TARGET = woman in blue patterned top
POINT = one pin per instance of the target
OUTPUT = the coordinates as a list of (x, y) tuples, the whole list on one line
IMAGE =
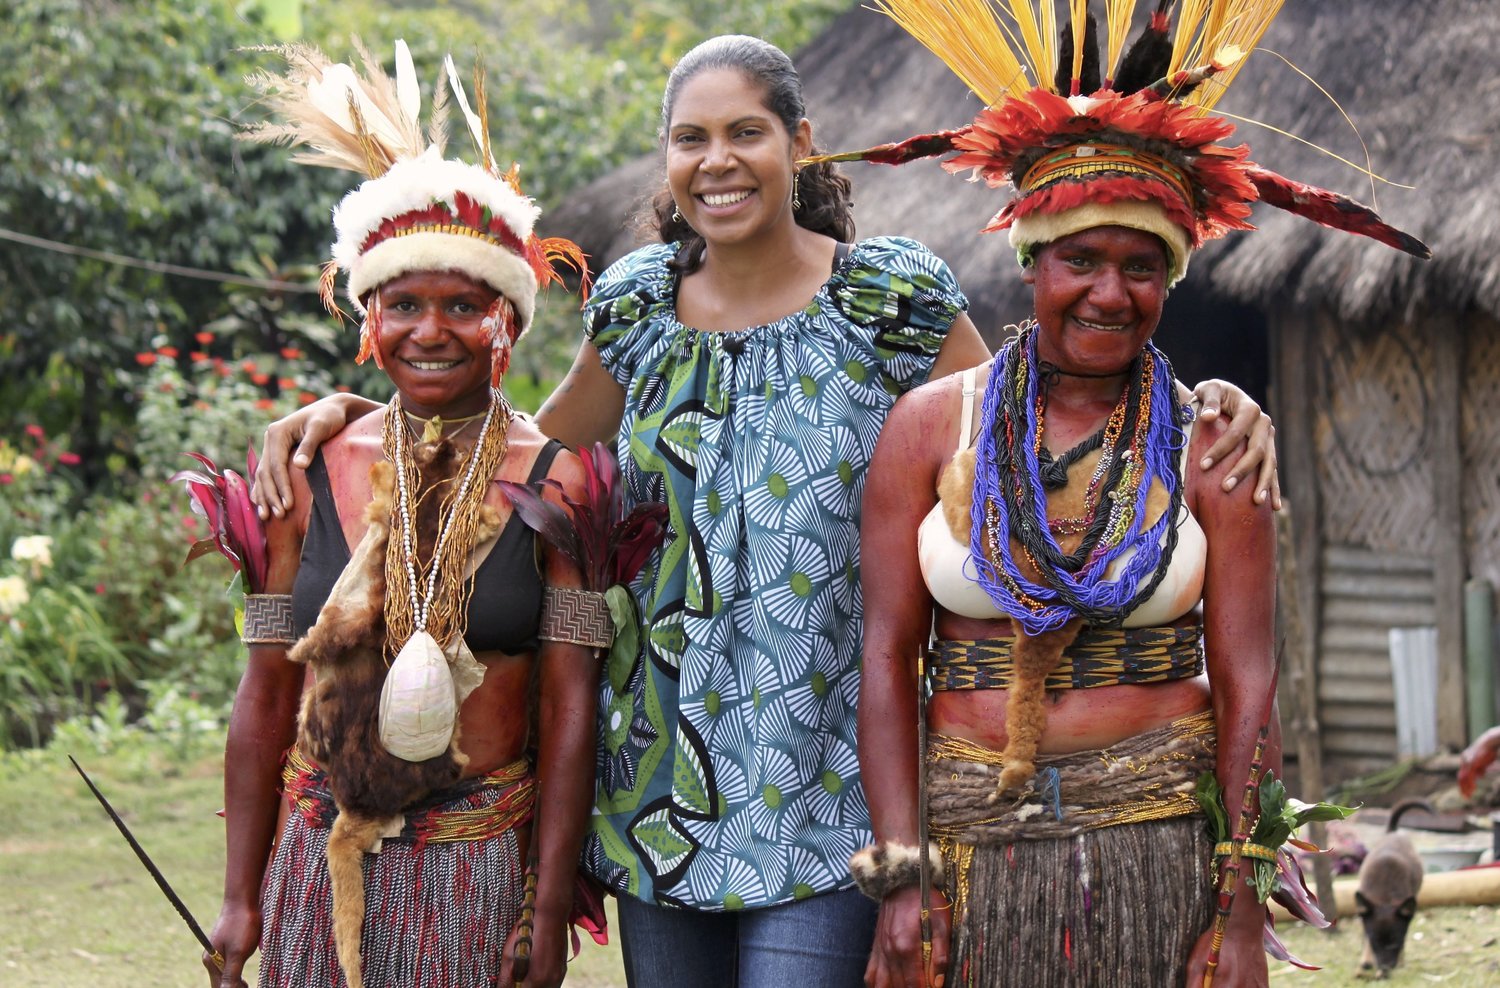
[(747, 364)]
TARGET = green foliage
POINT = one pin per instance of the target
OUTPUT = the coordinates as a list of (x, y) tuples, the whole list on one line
[(117, 125), (116, 134), (1281, 816)]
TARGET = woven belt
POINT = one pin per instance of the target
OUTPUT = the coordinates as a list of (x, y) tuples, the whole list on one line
[(1098, 657), (476, 808)]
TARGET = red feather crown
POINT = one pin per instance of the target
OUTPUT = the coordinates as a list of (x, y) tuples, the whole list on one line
[(1143, 150)]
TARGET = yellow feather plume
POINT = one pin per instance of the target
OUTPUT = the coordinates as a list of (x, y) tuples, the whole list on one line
[(969, 39), (1117, 17)]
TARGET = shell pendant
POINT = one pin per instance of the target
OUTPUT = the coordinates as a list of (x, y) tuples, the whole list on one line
[(417, 703)]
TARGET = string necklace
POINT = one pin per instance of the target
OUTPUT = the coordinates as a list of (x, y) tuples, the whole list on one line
[(432, 429), (1140, 440), (437, 605)]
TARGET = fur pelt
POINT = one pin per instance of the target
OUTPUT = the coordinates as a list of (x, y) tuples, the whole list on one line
[(882, 868), (339, 724)]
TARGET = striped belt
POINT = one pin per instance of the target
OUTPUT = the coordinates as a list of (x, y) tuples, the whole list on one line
[(1098, 657)]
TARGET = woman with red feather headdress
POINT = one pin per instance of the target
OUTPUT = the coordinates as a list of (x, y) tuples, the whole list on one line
[(1101, 661)]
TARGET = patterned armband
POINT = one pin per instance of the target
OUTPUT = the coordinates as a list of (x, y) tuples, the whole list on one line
[(268, 619), (578, 617)]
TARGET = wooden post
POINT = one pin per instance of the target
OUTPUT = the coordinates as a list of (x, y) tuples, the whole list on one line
[(1449, 558), (1299, 541)]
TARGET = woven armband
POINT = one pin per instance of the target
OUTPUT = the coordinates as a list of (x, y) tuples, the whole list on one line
[(268, 619), (883, 868), (578, 617)]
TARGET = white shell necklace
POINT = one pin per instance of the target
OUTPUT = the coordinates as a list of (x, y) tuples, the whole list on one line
[(419, 608), (418, 703)]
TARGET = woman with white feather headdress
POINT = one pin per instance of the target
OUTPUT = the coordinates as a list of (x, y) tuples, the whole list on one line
[(412, 796)]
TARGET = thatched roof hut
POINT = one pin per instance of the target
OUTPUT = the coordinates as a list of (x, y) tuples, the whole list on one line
[(1383, 371)]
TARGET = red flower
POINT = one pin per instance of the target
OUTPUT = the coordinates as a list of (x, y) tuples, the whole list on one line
[(307, 397), (99, 589), (6, 478), (222, 371), (286, 383), (35, 431), (248, 366), (342, 387), (260, 378), (69, 459), (145, 359), (168, 351), (204, 337), (198, 356), (189, 522), (291, 353), (265, 404)]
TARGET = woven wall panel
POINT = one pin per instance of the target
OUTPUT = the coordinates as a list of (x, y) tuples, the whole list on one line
[(1373, 430), (1481, 446)]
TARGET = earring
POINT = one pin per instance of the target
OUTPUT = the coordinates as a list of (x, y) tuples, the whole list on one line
[(796, 191), (676, 214)]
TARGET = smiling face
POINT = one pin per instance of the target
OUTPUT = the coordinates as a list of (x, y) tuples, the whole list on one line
[(1098, 295), (730, 159), (431, 342)]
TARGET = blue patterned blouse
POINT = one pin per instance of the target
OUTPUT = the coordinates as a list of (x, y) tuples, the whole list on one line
[(727, 770)]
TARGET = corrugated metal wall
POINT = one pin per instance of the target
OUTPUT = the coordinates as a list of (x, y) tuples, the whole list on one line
[(1366, 592)]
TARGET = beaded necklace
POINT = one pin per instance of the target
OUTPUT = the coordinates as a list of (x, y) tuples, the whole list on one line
[(1010, 501), (437, 604)]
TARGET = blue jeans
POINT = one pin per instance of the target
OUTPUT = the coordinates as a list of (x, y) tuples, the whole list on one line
[(821, 942)]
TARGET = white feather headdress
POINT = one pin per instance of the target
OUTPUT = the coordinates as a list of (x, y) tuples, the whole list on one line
[(417, 210)]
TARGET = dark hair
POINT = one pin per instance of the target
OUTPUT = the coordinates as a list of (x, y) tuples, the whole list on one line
[(825, 194)]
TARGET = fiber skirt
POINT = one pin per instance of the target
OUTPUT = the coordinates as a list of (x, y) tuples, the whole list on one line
[(1115, 893), (440, 898)]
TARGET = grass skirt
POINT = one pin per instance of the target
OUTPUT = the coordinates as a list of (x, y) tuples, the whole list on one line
[(1114, 895), (439, 902)]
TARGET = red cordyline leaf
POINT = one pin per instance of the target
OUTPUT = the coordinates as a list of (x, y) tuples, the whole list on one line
[(544, 518), (1294, 895), (235, 529), (1277, 949), (633, 540), (245, 531), (608, 546)]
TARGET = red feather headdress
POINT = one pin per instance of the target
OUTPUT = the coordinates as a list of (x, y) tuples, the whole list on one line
[(1143, 150)]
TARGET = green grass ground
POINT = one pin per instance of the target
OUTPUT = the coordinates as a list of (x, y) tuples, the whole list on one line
[(1456, 946), (77, 909)]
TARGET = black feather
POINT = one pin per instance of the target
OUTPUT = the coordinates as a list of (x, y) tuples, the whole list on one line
[(1148, 59), (1089, 77)]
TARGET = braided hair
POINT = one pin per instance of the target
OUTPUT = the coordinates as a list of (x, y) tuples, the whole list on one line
[(827, 207)]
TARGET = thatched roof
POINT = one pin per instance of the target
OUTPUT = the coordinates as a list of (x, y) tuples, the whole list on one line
[(1419, 79), (1422, 82)]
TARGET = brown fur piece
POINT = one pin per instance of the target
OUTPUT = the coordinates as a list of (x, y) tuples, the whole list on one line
[(1033, 657), (885, 867), (339, 725), (1389, 881)]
